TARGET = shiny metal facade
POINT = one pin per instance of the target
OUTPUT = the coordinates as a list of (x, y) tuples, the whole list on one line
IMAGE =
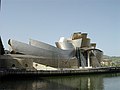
[(27, 49), (77, 50)]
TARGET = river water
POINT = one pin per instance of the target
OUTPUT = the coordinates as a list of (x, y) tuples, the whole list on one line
[(85, 82)]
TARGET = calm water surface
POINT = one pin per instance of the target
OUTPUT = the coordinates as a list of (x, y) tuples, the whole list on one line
[(86, 82)]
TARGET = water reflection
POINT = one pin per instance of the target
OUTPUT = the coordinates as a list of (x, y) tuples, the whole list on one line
[(89, 82), (80, 82)]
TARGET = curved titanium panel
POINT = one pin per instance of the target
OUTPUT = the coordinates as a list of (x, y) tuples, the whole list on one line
[(67, 52), (42, 45), (32, 50), (76, 42), (64, 45)]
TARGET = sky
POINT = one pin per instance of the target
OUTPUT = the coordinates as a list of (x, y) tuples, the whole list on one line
[(48, 20)]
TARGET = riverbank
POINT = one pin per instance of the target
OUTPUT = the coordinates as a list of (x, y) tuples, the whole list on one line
[(59, 72)]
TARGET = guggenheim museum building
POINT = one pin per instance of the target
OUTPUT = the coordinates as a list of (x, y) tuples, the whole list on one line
[(74, 52)]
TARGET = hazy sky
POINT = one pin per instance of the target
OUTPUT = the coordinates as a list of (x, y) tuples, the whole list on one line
[(47, 20)]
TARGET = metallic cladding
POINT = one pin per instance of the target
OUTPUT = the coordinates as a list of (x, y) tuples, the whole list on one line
[(33, 50)]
